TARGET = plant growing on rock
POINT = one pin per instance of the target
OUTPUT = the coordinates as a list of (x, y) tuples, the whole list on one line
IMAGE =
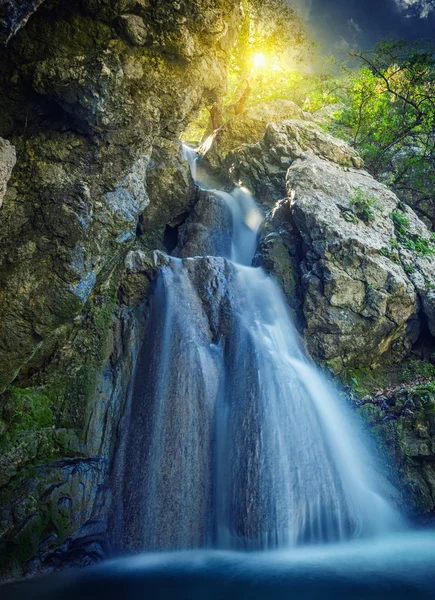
[(411, 241), (364, 205)]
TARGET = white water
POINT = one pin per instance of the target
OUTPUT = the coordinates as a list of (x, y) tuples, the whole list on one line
[(240, 441)]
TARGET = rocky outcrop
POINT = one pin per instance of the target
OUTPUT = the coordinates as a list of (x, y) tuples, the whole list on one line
[(93, 96), (86, 108), (248, 128), (262, 166), (207, 231), (366, 263), (402, 419), (362, 296), (53, 494)]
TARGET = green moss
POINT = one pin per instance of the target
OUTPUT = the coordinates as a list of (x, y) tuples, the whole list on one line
[(364, 380), (418, 369), (26, 409)]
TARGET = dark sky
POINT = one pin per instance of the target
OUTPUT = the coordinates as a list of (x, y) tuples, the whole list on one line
[(361, 23)]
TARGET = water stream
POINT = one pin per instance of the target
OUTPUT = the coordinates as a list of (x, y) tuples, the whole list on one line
[(235, 438)]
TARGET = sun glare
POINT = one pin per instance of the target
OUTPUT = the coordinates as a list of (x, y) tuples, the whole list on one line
[(259, 61)]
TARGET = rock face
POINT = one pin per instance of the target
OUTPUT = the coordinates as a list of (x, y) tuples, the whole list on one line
[(364, 278), (249, 126), (14, 15), (279, 253), (8, 159), (262, 166), (207, 231), (93, 96), (403, 420), (86, 109)]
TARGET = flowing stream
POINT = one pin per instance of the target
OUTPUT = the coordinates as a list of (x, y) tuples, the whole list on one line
[(235, 440)]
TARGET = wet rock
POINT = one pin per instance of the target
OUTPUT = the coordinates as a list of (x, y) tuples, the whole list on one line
[(207, 231), (279, 253), (58, 496), (141, 269)]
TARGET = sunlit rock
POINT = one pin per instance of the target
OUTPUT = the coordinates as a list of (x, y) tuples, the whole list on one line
[(7, 162)]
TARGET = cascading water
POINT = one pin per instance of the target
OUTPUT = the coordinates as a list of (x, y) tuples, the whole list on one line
[(235, 439)]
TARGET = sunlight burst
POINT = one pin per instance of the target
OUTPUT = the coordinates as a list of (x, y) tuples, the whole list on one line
[(259, 61)]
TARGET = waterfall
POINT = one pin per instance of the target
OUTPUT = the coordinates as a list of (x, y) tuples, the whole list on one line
[(235, 439)]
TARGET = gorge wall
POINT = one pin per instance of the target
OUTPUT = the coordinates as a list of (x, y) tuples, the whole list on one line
[(93, 97)]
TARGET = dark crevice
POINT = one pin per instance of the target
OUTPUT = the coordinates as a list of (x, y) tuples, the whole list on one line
[(139, 230), (424, 347), (170, 236)]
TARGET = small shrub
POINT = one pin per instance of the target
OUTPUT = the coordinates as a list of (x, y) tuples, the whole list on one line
[(409, 269), (364, 205), (411, 241)]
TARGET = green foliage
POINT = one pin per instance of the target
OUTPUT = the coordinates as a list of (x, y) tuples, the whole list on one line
[(275, 30), (409, 269), (390, 114), (391, 252), (400, 220), (364, 205), (411, 241)]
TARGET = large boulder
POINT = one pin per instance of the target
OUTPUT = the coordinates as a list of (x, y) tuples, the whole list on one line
[(365, 261), (362, 289), (262, 166)]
